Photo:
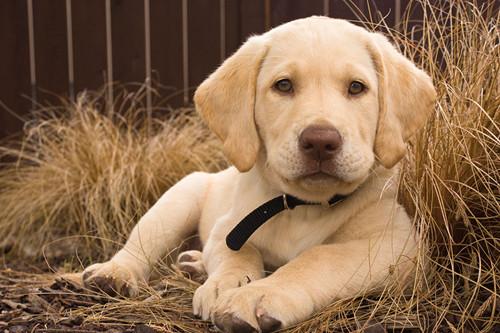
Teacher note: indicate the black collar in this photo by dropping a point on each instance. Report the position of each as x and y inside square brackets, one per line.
[243, 230]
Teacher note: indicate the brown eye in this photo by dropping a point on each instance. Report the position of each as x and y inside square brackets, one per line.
[356, 87]
[284, 86]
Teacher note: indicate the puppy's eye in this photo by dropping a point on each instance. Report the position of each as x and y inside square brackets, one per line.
[356, 87]
[284, 86]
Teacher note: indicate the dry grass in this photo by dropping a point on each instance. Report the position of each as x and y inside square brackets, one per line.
[80, 171]
[450, 181]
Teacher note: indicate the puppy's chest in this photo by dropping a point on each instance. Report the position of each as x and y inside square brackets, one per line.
[289, 233]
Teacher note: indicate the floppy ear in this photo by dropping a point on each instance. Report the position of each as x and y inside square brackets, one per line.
[406, 99]
[226, 101]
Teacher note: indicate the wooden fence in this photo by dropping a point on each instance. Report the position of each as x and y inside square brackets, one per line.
[55, 48]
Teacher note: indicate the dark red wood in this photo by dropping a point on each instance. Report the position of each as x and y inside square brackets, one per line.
[127, 17]
[204, 41]
[89, 44]
[288, 10]
[51, 50]
[252, 18]
[346, 9]
[242, 19]
[14, 65]
[233, 26]
[166, 50]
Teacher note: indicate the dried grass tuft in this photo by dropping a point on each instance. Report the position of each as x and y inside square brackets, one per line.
[450, 182]
[82, 171]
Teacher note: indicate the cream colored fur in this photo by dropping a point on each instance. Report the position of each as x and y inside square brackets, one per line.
[321, 253]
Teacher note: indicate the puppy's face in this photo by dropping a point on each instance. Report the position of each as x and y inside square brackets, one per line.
[315, 104]
[316, 109]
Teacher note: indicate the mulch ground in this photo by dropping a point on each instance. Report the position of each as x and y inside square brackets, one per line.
[41, 303]
[48, 302]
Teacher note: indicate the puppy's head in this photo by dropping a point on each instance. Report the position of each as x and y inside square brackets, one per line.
[315, 104]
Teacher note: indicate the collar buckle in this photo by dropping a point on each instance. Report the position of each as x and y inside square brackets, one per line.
[285, 203]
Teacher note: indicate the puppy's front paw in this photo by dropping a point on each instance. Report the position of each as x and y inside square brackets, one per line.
[258, 307]
[111, 278]
[206, 295]
[191, 263]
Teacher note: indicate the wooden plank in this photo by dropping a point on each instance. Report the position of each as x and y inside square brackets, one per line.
[252, 16]
[166, 49]
[287, 10]
[89, 44]
[127, 22]
[233, 26]
[243, 19]
[346, 9]
[51, 50]
[14, 65]
[204, 43]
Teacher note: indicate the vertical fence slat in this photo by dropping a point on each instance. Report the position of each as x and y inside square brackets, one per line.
[127, 25]
[166, 51]
[267, 15]
[342, 9]
[31, 36]
[287, 10]
[147, 56]
[204, 42]
[50, 35]
[234, 25]
[185, 50]
[222, 29]
[252, 17]
[55, 67]
[89, 46]
[109, 58]
[15, 82]
[397, 14]
[69, 42]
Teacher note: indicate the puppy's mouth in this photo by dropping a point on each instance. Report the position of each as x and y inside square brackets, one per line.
[317, 176]
[319, 171]
[312, 177]
[314, 183]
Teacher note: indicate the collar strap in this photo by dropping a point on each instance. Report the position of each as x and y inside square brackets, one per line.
[243, 230]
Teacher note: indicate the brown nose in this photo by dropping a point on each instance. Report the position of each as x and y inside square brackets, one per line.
[319, 142]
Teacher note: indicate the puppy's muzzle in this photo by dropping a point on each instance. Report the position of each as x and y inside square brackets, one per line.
[319, 143]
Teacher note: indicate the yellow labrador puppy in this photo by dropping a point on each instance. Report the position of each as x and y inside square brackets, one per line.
[315, 114]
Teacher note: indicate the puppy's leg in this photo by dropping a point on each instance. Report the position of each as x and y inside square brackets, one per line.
[314, 279]
[226, 269]
[173, 218]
